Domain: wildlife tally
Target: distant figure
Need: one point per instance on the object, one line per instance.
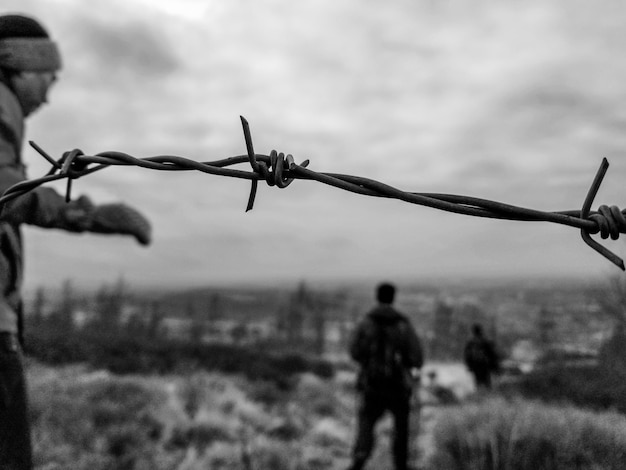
(389, 353)
(481, 357)
(29, 62)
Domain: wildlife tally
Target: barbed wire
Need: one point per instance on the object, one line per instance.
(280, 170)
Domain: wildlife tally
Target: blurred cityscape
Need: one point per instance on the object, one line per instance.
(529, 321)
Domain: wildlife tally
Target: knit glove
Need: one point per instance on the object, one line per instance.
(77, 215)
(121, 219)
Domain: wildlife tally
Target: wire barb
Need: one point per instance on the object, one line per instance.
(253, 162)
(278, 169)
(53, 162)
(608, 216)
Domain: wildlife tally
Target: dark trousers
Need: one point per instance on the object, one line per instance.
(15, 440)
(372, 408)
(482, 378)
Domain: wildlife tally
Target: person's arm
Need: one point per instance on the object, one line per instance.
(357, 347)
(44, 207)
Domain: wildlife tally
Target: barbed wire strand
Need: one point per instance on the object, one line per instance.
(278, 169)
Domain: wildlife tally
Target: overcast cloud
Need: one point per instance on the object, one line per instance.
(512, 101)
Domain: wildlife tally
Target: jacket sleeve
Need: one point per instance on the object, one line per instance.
(43, 207)
(358, 349)
(46, 208)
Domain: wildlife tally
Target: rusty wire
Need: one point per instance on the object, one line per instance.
(278, 169)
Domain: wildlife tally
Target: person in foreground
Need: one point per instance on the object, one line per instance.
(29, 62)
(389, 353)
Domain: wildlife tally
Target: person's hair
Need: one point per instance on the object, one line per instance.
(385, 293)
(477, 329)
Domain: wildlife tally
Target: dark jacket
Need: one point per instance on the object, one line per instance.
(42, 207)
(486, 361)
(403, 335)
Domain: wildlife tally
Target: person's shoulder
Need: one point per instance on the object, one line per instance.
(476, 342)
(367, 322)
(386, 314)
(490, 343)
(403, 322)
(401, 316)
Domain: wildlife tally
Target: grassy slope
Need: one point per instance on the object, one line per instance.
(94, 420)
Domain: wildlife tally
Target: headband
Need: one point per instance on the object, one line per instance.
(29, 54)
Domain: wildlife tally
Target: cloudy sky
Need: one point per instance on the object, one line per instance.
(506, 100)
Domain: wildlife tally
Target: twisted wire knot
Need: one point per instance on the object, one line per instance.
(274, 175)
(610, 221)
(71, 165)
(72, 168)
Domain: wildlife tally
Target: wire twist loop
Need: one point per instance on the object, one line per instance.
(278, 165)
(71, 168)
(610, 220)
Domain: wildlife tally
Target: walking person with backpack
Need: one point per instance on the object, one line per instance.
(389, 353)
(481, 357)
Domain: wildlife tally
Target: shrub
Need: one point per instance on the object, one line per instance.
(528, 436)
(198, 435)
(587, 386)
(192, 393)
(286, 429)
(123, 354)
(267, 393)
(612, 353)
(87, 420)
(275, 456)
(317, 396)
(82, 422)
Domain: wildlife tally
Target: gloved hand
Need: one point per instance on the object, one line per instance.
(78, 214)
(44, 207)
(121, 219)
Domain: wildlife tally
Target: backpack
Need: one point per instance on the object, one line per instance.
(478, 355)
(384, 369)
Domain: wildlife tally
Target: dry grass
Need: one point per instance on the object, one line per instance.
(99, 421)
(94, 420)
(520, 435)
